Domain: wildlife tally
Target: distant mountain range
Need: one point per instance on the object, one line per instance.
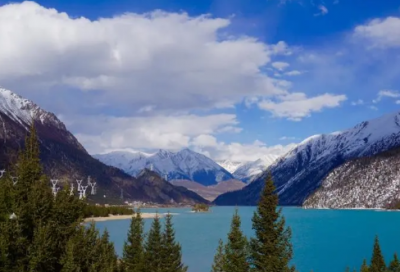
(185, 164)
(210, 192)
(299, 173)
(247, 171)
(64, 158)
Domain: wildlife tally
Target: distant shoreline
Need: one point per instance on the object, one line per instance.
(119, 217)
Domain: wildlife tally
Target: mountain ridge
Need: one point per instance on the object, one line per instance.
(184, 164)
(301, 171)
(64, 158)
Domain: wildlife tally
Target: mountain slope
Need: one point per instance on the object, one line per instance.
(62, 156)
(230, 166)
(185, 164)
(247, 171)
(301, 171)
(370, 182)
(210, 192)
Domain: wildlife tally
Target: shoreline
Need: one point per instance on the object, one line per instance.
(120, 217)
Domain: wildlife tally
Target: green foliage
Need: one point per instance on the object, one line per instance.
(377, 261)
(236, 249)
(364, 266)
(133, 255)
(171, 250)
(103, 211)
(219, 259)
(271, 249)
(201, 207)
(394, 265)
(45, 235)
(153, 248)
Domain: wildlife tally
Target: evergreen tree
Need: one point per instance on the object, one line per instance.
(133, 255)
(394, 265)
(364, 266)
(171, 250)
(153, 248)
(377, 261)
(219, 259)
(271, 249)
(236, 249)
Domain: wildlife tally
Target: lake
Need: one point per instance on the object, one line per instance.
(323, 240)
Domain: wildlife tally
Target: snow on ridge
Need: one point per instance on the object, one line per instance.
(184, 164)
(23, 110)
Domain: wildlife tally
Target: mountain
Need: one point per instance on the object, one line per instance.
(300, 172)
(185, 164)
(64, 158)
(210, 192)
(230, 166)
(369, 182)
(247, 171)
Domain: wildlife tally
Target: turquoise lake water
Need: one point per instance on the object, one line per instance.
(323, 240)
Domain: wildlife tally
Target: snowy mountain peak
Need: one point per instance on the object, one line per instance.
(185, 164)
(24, 111)
(300, 172)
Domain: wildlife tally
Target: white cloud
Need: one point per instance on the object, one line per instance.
(279, 65)
(297, 106)
(99, 133)
(323, 10)
(358, 102)
(386, 93)
(170, 60)
(208, 145)
(293, 73)
(381, 32)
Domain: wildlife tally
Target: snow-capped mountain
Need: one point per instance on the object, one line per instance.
(368, 182)
(64, 158)
(230, 166)
(185, 164)
(301, 171)
(247, 171)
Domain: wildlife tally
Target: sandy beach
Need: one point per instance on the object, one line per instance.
(120, 217)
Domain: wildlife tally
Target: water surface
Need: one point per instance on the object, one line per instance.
(323, 240)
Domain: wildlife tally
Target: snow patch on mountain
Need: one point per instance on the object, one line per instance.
(23, 111)
(248, 170)
(370, 182)
(230, 166)
(301, 171)
(185, 164)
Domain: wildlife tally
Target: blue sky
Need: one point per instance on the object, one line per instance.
(233, 79)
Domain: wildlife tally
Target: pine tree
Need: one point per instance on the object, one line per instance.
(394, 265)
(153, 248)
(171, 250)
(377, 261)
(271, 249)
(133, 255)
(364, 266)
(219, 259)
(236, 249)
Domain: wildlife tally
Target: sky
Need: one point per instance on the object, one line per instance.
(232, 79)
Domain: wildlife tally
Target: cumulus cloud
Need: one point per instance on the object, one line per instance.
(297, 106)
(381, 32)
(386, 93)
(171, 60)
(99, 133)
